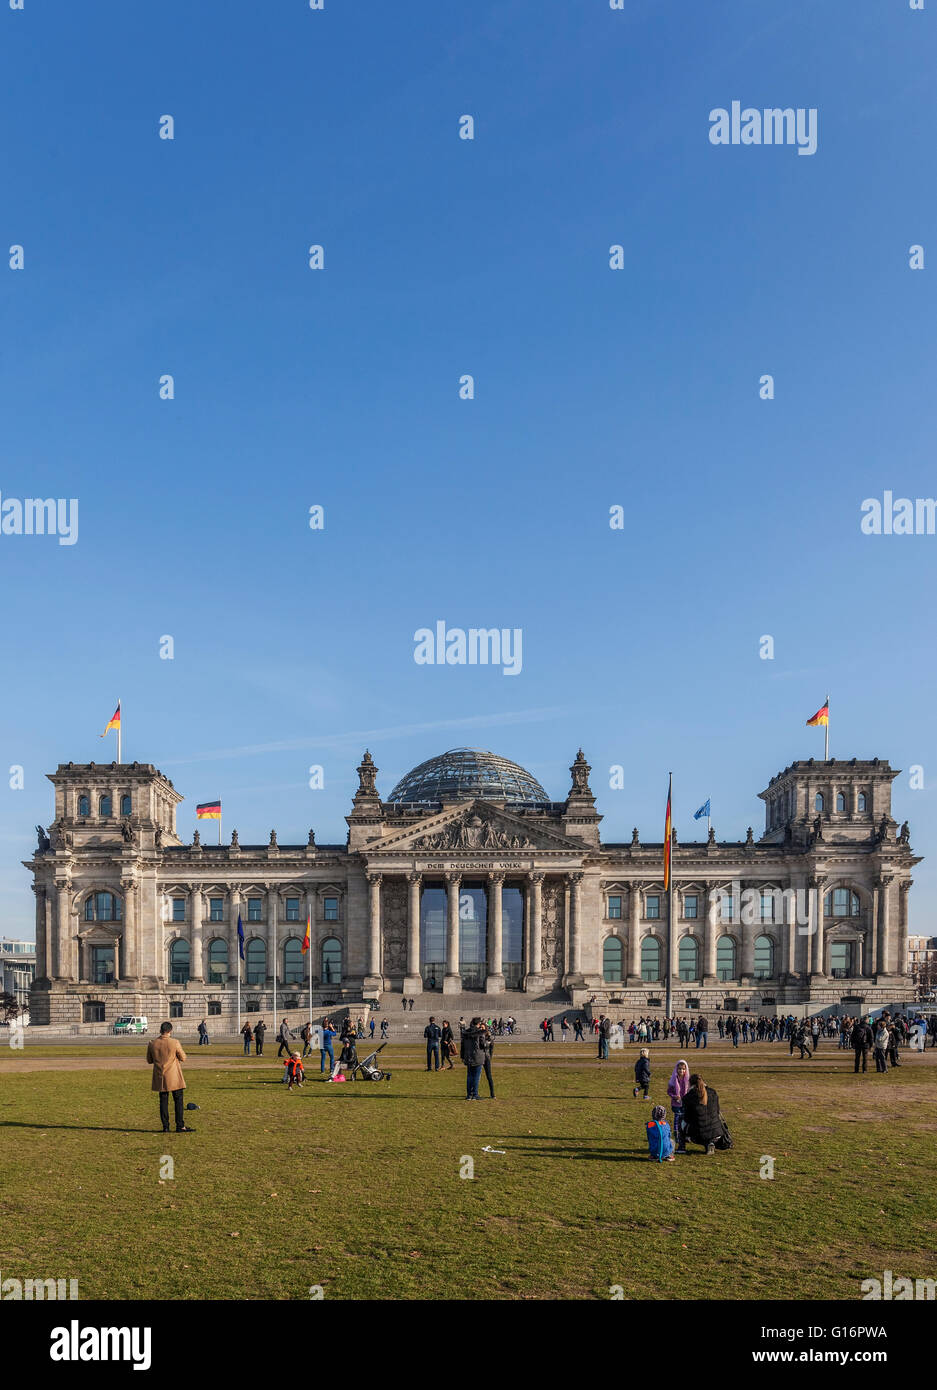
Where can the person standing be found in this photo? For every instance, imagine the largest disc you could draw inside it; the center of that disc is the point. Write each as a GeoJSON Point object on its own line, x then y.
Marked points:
{"type": "Point", "coordinates": [371, 1024]}
{"type": "Point", "coordinates": [861, 1042]}
{"type": "Point", "coordinates": [564, 1029]}
{"type": "Point", "coordinates": [722, 1026]}
{"type": "Point", "coordinates": [473, 1055]}
{"type": "Point", "coordinates": [306, 1034]}
{"type": "Point", "coordinates": [248, 1037]}
{"type": "Point", "coordinates": [411, 1001]}
{"type": "Point", "coordinates": [702, 1031]}
{"type": "Point", "coordinates": [880, 1046]}
{"type": "Point", "coordinates": [432, 1033]}
{"type": "Point", "coordinates": [677, 1087]}
{"type": "Point", "coordinates": [259, 1032]}
{"type": "Point", "coordinates": [815, 1032]}
{"type": "Point", "coordinates": [325, 1048]}
{"type": "Point", "coordinates": [447, 1043]}
{"type": "Point", "coordinates": [166, 1056]}
{"type": "Point", "coordinates": [605, 1032]}
{"type": "Point", "coordinates": [384, 1027]}
{"type": "Point", "coordinates": [489, 1052]}
{"type": "Point", "coordinates": [202, 1033]}
{"type": "Point", "coordinates": [405, 1006]}
{"type": "Point", "coordinates": [577, 1030]}
{"type": "Point", "coordinates": [283, 1036]}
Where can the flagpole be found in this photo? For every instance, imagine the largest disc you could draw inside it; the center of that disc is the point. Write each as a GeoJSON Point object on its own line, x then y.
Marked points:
{"type": "Point", "coordinates": [826, 733]}
{"type": "Point", "coordinates": [309, 929]}
{"type": "Point", "coordinates": [668, 853]}
{"type": "Point", "coordinates": [120, 724]}
{"type": "Point", "coordinates": [274, 963]}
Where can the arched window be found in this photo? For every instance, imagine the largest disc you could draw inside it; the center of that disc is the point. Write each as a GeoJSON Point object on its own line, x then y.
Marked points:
{"type": "Point", "coordinates": [293, 971]}
{"type": "Point", "coordinates": [818, 802]}
{"type": "Point", "coordinates": [84, 805]}
{"type": "Point", "coordinates": [612, 954]}
{"type": "Point", "coordinates": [840, 802]}
{"type": "Point", "coordinates": [861, 801]}
{"type": "Point", "coordinates": [764, 958]}
{"type": "Point", "coordinates": [650, 959]}
{"type": "Point", "coordinates": [331, 961]}
{"type": "Point", "coordinates": [125, 805]}
{"type": "Point", "coordinates": [103, 907]}
{"type": "Point", "coordinates": [256, 961]}
{"type": "Point", "coordinates": [179, 962]}
{"type": "Point", "coordinates": [841, 902]}
{"type": "Point", "coordinates": [726, 957]}
{"type": "Point", "coordinates": [104, 806]}
{"type": "Point", "coordinates": [689, 958]}
{"type": "Point", "coordinates": [218, 961]}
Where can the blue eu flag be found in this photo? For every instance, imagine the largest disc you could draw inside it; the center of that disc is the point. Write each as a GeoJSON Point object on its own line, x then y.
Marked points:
{"type": "Point", "coordinates": [240, 937]}
{"type": "Point", "coordinates": [703, 810]}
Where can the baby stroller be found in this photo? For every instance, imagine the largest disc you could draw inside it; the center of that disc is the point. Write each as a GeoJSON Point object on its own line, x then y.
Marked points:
{"type": "Point", "coordinates": [370, 1072]}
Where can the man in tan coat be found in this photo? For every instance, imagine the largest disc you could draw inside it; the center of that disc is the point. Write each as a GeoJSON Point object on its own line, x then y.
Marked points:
{"type": "Point", "coordinates": [166, 1055]}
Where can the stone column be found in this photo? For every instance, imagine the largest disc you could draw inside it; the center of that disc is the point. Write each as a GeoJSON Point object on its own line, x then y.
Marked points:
{"type": "Point", "coordinates": [533, 980]}
{"type": "Point", "coordinates": [374, 979]}
{"type": "Point", "coordinates": [789, 934]}
{"type": "Point", "coordinates": [709, 938]}
{"type": "Point", "coordinates": [575, 926]}
{"type": "Point", "coordinates": [634, 935]}
{"type": "Point", "coordinates": [860, 958]}
{"type": "Point", "coordinates": [874, 957]}
{"type": "Point", "coordinates": [273, 935]}
{"type": "Point", "coordinates": [63, 952]}
{"type": "Point", "coordinates": [42, 957]}
{"type": "Point", "coordinates": [197, 967]}
{"type": "Point", "coordinates": [117, 939]}
{"type": "Point", "coordinates": [413, 983]}
{"type": "Point", "coordinates": [494, 980]}
{"type": "Point", "coordinates": [234, 960]}
{"type": "Point", "coordinates": [902, 966]}
{"type": "Point", "coordinates": [815, 936]}
{"type": "Point", "coordinates": [452, 981]}
{"type": "Point", "coordinates": [747, 932]}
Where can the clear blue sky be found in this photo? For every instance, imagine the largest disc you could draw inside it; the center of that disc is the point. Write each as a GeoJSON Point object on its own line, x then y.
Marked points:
{"type": "Point", "coordinates": [340, 388]}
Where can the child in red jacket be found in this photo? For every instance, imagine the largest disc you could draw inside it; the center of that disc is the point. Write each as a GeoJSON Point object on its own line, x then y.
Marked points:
{"type": "Point", "coordinates": [295, 1075]}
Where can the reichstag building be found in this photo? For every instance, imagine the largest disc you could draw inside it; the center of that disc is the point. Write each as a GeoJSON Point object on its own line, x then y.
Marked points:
{"type": "Point", "coordinates": [467, 877]}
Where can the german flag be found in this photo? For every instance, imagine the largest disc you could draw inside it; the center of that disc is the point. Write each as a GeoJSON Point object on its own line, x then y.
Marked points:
{"type": "Point", "coordinates": [114, 721]}
{"type": "Point", "coordinates": [822, 715]}
{"type": "Point", "coordinates": [306, 939]}
{"type": "Point", "coordinates": [208, 810]}
{"type": "Point", "coordinates": [668, 837]}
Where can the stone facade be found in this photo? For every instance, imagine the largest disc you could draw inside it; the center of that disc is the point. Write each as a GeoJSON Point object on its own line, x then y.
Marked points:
{"type": "Point", "coordinates": [468, 893]}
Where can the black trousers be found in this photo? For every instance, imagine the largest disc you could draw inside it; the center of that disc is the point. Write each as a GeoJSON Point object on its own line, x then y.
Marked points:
{"type": "Point", "coordinates": [862, 1052]}
{"type": "Point", "coordinates": [491, 1084]}
{"type": "Point", "coordinates": [283, 1043]}
{"type": "Point", "coordinates": [164, 1108]}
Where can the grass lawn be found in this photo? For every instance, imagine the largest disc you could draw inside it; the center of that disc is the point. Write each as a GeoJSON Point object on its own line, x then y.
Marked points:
{"type": "Point", "coordinates": [356, 1187]}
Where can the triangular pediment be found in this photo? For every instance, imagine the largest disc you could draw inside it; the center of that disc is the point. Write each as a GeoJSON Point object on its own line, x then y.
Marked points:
{"type": "Point", "coordinates": [476, 825]}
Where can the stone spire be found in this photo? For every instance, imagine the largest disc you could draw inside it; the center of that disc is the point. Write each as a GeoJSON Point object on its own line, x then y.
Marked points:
{"type": "Point", "coordinates": [367, 773]}
{"type": "Point", "coordinates": [580, 772]}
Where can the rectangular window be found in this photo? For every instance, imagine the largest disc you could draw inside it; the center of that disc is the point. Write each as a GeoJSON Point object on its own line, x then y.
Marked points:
{"type": "Point", "coordinates": [292, 909]}
{"type": "Point", "coordinates": [331, 909]}
{"type": "Point", "coordinates": [254, 909]}
{"type": "Point", "coordinates": [216, 909]}
{"type": "Point", "coordinates": [691, 905]}
{"type": "Point", "coordinates": [652, 905]}
{"type": "Point", "coordinates": [175, 1009]}
{"type": "Point", "coordinates": [178, 909]}
{"type": "Point", "coordinates": [614, 907]}
{"type": "Point", "coordinates": [767, 906]}
{"type": "Point", "coordinates": [214, 1007]}
{"type": "Point", "coordinates": [728, 907]}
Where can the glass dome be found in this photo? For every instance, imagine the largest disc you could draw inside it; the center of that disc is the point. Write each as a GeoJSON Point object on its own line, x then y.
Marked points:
{"type": "Point", "coordinates": [464, 773]}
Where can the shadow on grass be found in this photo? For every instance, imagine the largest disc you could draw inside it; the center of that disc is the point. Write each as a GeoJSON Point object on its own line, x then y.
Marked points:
{"type": "Point", "coordinates": [107, 1129]}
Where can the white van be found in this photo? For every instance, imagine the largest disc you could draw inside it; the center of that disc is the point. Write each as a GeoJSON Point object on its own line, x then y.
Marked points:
{"type": "Point", "coordinates": [131, 1023]}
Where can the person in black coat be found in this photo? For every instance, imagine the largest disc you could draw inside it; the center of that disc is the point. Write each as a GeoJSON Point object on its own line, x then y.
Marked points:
{"type": "Point", "coordinates": [861, 1042]}
{"type": "Point", "coordinates": [701, 1118]}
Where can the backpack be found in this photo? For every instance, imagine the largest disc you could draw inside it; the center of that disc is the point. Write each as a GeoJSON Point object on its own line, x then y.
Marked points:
{"type": "Point", "coordinates": [725, 1140]}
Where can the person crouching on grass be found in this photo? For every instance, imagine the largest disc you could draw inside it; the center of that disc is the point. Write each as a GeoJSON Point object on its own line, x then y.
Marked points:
{"type": "Point", "coordinates": [702, 1122]}
{"type": "Point", "coordinates": [294, 1075]}
{"type": "Point", "coordinates": [642, 1074]}
{"type": "Point", "coordinates": [659, 1140]}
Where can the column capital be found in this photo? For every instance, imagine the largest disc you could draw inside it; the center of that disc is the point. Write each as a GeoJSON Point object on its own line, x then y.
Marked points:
{"type": "Point", "coordinates": [905, 885]}
{"type": "Point", "coordinates": [535, 876]}
{"type": "Point", "coordinates": [496, 876]}
{"type": "Point", "coordinates": [883, 880]}
{"type": "Point", "coordinates": [414, 876]}
{"type": "Point", "coordinates": [576, 876]}
{"type": "Point", "coordinates": [453, 875]}
{"type": "Point", "coordinates": [373, 877]}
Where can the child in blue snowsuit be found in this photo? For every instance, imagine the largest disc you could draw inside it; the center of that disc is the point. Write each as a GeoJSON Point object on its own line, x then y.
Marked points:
{"type": "Point", "coordinates": [659, 1140]}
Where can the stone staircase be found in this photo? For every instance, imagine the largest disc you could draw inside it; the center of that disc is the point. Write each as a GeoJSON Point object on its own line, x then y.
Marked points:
{"type": "Point", "coordinates": [528, 1010]}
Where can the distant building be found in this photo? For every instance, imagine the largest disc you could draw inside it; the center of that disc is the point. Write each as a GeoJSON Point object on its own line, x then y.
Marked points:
{"type": "Point", "coordinates": [17, 969]}
{"type": "Point", "coordinates": [922, 963]}
{"type": "Point", "coordinates": [469, 878]}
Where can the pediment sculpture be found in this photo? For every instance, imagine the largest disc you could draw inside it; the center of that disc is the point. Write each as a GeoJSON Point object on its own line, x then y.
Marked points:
{"type": "Point", "coordinates": [473, 833]}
